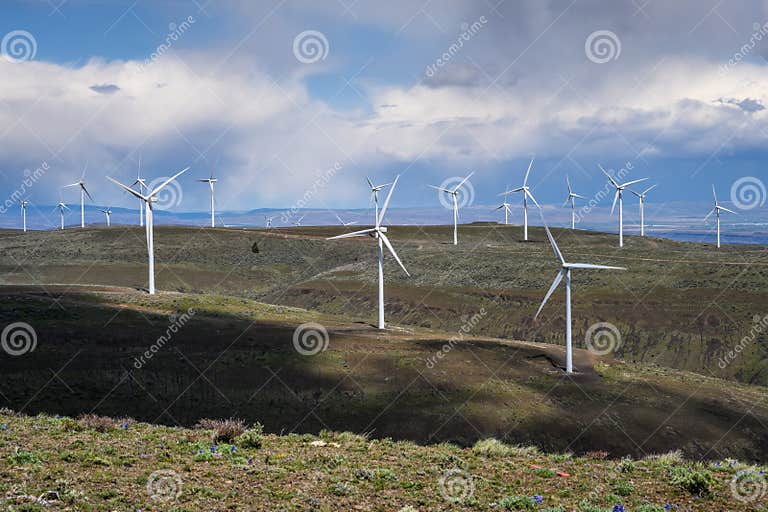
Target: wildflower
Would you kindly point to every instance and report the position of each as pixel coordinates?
(233, 448)
(538, 499)
(618, 508)
(4, 426)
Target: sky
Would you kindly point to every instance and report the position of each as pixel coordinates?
(293, 103)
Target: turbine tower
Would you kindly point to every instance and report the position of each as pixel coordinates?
(572, 199)
(619, 195)
(565, 272)
(83, 192)
(148, 199)
(210, 181)
(142, 185)
(378, 232)
(716, 211)
(454, 193)
(268, 221)
(507, 211)
(107, 212)
(641, 197)
(526, 190)
(375, 189)
(24, 204)
(61, 206)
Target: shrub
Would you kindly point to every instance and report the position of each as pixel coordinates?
(225, 431)
(666, 459)
(491, 447)
(626, 465)
(624, 488)
(544, 472)
(696, 480)
(102, 423)
(251, 438)
(518, 503)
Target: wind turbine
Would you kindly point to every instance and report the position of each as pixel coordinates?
(210, 181)
(379, 233)
(345, 223)
(24, 204)
(375, 189)
(107, 212)
(148, 199)
(454, 193)
(298, 222)
(641, 196)
(142, 184)
(525, 189)
(268, 221)
(507, 211)
(619, 195)
(565, 272)
(83, 192)
(61, 206)
(716, 211)
(572, 199)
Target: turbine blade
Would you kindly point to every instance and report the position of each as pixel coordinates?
(370, 183)
(86, 192)
(394, 254)
(441, 189)
(624, 185)
(525, 180)
(615, 197)
(463, 181)
(511, 191)
(72, 185)
(710, 213)
(362, 232)
(727, 210)
(636, 193)
(532, 198)
(650, 188)
(555, 284)
(613, 182)
(568, 182)
(127, 189)
(714, 194)
(589, 265)
(566, 201)
(386, 202)
(554, 244)
(166, 182)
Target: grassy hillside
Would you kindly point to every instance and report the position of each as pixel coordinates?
(679, 305)
(96, 463)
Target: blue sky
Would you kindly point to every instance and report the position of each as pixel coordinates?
(511, 81)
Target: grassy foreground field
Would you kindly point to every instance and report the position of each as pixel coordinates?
(96, 463)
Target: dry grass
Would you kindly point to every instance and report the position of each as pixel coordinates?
(225, 431)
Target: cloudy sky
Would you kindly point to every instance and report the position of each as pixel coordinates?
(280, 92)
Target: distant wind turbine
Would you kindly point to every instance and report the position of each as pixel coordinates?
(506, 206)
(345, 223)
(526, 190)
(107, 212)
(61, 206)
(378, 232)
(210, 181)
(298, 222)
(565, 272)
(716, 211)
(268, 221)
(572, 199)
(641, 197)
(24, 204)
(148, 199)
(83, 192)
(619, 195)
(454, 193)
(375, 189)
(142, 185)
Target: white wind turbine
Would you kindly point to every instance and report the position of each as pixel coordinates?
(379, 233)
(24, 204)
(142, 185)
(268, 221)
(716, 211)
(108, 213)
(83, 192)
(565, 272)
(210, 181)
(525, 189)
(619, 195)
(298, 222)
(61, 206)
(375, 189)
(454, 193)
(572, 199)
(641, 197)
(148, 199)
(507, 211)
(345, 223)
